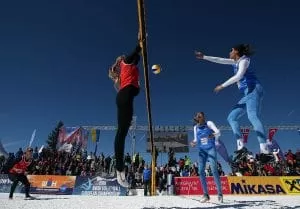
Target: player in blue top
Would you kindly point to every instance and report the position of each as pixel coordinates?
(251, 89)
(205, 135)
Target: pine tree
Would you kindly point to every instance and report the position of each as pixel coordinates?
(53, 137)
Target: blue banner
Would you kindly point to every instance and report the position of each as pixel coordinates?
(98, 186)
(5, 184)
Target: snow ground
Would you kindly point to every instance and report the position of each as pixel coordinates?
(141, 202)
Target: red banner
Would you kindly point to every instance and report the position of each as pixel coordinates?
(272, 132)
(245, 133)
(192, 186)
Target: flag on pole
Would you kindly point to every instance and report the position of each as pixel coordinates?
(72, 138)
(245, 134)
(274, 146)
(41, 149)
(272, 132)
(94, 136)
(32, 138)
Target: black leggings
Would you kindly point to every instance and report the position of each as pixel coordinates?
(125, 112)
(15, 178)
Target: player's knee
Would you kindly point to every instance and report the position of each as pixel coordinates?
(230, 118)
(253, 118)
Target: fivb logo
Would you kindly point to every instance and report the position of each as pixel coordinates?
(292, 185)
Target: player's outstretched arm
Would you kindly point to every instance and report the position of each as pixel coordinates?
(219, 60)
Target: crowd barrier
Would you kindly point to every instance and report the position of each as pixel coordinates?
(98, 186)
(67, 185)
(241, 185)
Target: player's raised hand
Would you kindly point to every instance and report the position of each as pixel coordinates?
(199, 55)
(218, 88)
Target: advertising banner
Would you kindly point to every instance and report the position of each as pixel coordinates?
(50, 184)
(98, 186)
(256, 185)
(5, 183)
(291, 184)
(164, 140)
(192, 186)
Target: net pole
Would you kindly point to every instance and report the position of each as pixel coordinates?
(143, 36)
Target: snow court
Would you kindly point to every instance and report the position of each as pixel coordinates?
(149, 202)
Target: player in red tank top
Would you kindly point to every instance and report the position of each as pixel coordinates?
(128, 89)
(129, 75)
(17, 173)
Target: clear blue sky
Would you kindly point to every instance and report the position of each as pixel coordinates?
(54, 57)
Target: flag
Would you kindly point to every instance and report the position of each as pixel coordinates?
(245, 134)
(272, 132)
(41, 149)
(95, 135)
(274, 146)
(32, 137)
(62, 134)
(66, 148)
(70, 136)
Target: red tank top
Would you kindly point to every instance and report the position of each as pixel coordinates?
(129, 75)
(22, 165)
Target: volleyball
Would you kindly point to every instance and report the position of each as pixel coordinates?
(156, 69)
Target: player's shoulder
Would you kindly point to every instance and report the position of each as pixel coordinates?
(244, 59)
(210, 123)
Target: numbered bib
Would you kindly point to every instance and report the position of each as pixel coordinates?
(204, 141)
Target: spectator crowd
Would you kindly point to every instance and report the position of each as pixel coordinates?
(48, 162)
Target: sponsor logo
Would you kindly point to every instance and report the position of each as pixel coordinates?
(246, 188)
(49, 183)
(292, 185)
(5, 181)
(98, 186)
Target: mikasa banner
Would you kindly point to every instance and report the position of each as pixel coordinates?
(256, 185)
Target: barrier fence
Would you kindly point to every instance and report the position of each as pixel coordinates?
(98, 186)
(241, 185)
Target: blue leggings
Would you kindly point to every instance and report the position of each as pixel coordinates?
(211, 156)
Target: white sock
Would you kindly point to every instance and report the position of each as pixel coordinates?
(240, 144)
(263, 148)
